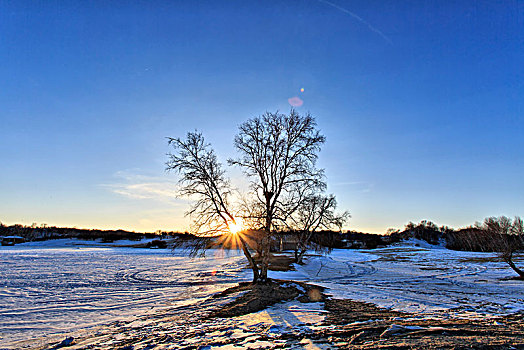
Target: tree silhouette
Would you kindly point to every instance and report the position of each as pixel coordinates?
(316, 212)
(203, 179)
(506, 237)
(278, 154)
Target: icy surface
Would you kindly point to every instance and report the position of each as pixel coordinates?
(50, 290)
(417, 277)
(61, 286)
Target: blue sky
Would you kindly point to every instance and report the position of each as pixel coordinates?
(421, 103)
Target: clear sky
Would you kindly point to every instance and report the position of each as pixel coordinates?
(421, 103)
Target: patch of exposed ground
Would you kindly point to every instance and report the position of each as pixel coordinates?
(257, 297)
(365, 326)
(344, 311)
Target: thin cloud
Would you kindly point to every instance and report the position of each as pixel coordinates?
(138, 186)
(358, 18)
(148, 190)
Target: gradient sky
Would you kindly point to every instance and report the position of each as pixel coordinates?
(421, 103)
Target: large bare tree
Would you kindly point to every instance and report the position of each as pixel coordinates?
(278, 153)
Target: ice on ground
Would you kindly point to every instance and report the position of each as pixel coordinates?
(418, 278)
(283, 318)
(56, 287)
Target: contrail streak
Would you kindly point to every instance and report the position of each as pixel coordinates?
(358, 18)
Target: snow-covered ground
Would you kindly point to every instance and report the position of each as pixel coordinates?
(57, 288)
(60, 286)
(416, 277)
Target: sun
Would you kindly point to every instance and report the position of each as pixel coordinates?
(236, 227)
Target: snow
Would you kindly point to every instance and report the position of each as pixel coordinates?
(52, 289)
(282, 318)
(417, 277)
(286, 315)
(59, 286)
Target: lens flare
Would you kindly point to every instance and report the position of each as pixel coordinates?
(295, 101)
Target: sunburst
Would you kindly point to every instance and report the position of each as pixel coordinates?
(236, 226)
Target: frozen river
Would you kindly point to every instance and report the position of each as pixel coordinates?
(419, 278)
(56, 287)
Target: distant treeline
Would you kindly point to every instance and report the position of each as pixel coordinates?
(477, 237)
(472, 238)
(44, 232)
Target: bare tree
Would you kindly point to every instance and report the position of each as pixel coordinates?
(203, 179)
(507, 237)
(316, 212)
(278, 152)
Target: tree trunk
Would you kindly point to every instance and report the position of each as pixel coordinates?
(301, 256)
(252, 263)
(509, 259)
(264, 259)
(302, 244)
(266, 241)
